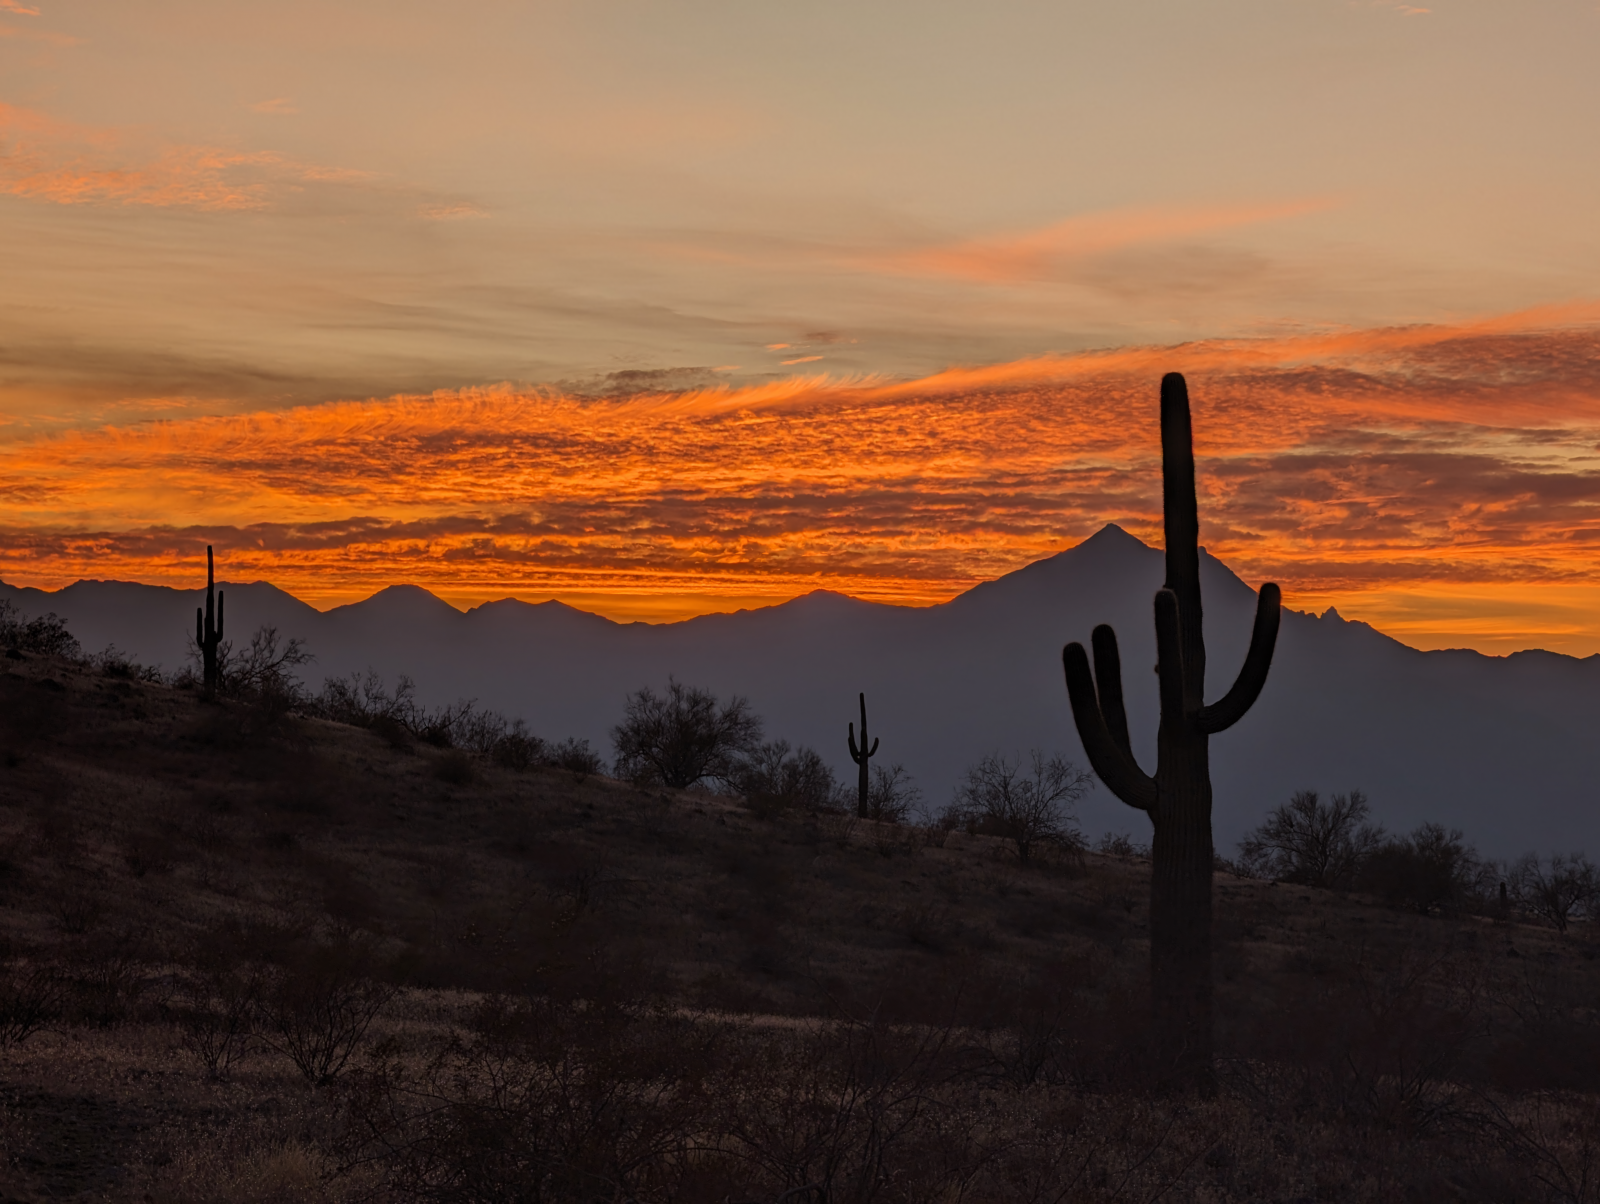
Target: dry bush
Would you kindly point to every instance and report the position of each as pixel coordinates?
(217, 1016)
(316, 1009)
(31, 994)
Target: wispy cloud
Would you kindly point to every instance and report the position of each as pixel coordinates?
(1051, 252)
(1346, 465)
(452, 211)
(21, 10)
(66, 164)
(277, 106)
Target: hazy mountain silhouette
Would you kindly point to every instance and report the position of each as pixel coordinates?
(1503, 747)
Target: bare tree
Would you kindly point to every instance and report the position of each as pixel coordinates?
(1029, 806)
(892, 795)
(264, 671)
(1555, 889)
(682, 738)
(1311, 842)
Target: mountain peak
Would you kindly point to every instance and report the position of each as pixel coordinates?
(407, 601)
(1112, 535)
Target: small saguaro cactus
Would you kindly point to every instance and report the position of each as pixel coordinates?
(861, 756)
(1178, 797)
(208, 626)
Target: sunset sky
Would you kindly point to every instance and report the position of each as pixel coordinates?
(669, 308)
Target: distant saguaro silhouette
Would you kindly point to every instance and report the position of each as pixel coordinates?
(208, 626)
(860, 757)
(1178, 797)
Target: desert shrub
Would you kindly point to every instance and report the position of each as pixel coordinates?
(517, 748)
(316, 1009)
(683, 737)
(576, 757)
(892, 796)
(1029, 806)
(263, 673)
(46, 635)
(1312, 843)
(1120, 844)
(216, 1017)
(362, 700)
(1432, 869)
(112, 662)
(772, 777)
(1555, 889)
(31, 994)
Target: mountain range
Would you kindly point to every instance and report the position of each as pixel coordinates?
(1504, 748)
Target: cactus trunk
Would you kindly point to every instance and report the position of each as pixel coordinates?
(1178, 797)
(861, 756)
(208, 627)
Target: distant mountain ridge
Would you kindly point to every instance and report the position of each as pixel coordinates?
(1503, 747)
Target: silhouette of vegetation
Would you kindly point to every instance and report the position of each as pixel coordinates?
(317, 1008)
(1178, 797)
(31, 994)
(893, 796)
(1027, 804)
(1556, 888)
(1313, 843)
(208, 628)
(861, 756)
(684, 737)
(772, 777)
(44, 635)
(1433, 869)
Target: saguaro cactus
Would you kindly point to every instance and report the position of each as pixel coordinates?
(861, 756)
(208, 626)
(1178, 797)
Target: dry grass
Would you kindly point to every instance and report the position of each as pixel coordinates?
(737, 1001)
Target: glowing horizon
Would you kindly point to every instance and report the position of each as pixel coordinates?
(1442, 483)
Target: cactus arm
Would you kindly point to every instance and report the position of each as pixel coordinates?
(1231, 707)
(1113, 763)
(199, 626)
(220, 597)
(854, 755)
(1108, 677)
(874, 744)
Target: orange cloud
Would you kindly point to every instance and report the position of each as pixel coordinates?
(66, 164)
(1387, 472)
(1047, 254)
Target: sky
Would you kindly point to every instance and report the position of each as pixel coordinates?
(665, 309)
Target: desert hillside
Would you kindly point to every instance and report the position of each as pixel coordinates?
(254, 956)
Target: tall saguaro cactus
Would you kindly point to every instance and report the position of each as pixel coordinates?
(861, 756)
(208, 626)
(1178, 797)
